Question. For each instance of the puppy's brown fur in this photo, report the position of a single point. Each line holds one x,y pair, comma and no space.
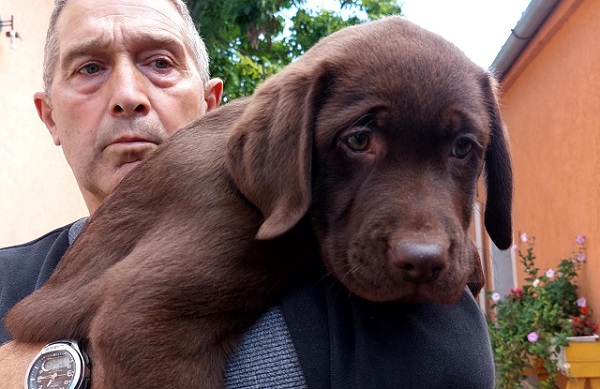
362,156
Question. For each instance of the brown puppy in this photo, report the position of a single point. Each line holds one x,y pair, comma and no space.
362,156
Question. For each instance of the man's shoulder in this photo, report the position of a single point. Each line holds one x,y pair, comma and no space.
26,267
52,235
345,342
41,244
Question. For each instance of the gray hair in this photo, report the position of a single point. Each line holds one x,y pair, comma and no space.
190,34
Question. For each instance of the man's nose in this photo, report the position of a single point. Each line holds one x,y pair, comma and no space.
128,90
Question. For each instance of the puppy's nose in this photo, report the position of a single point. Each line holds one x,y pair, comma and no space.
420,262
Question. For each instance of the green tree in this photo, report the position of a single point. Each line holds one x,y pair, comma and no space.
250,40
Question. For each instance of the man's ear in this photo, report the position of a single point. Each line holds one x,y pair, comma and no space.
44,110
213,93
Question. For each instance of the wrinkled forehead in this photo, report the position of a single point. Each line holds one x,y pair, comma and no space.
85,21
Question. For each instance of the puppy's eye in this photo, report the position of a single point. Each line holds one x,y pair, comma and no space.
358,141
462,147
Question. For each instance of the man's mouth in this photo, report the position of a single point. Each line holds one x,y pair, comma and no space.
131,139
128,151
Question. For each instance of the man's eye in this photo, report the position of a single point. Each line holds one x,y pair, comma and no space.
162,63
90,68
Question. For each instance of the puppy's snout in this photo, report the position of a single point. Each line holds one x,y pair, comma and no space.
419,262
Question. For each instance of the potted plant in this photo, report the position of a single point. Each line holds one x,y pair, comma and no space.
580,359
583,326
529,326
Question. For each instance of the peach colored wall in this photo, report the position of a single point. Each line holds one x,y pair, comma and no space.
37,190
551,104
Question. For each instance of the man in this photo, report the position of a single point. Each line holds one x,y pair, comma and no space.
120,77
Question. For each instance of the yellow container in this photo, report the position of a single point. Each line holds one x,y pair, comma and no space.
580,362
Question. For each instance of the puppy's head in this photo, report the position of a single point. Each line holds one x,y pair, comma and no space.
379,133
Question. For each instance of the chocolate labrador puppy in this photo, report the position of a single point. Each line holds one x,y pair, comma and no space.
361,160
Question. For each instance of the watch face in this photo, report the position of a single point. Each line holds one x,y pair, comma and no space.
57,367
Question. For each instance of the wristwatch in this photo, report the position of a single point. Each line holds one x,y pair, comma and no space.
60,365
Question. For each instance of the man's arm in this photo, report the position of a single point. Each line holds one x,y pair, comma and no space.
14,359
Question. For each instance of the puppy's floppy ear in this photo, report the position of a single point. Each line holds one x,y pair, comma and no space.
498,210
269,154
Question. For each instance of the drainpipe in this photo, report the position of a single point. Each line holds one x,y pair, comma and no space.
534,16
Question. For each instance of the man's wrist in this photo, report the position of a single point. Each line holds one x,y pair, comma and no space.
15,358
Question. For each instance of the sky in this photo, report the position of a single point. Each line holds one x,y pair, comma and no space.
477,27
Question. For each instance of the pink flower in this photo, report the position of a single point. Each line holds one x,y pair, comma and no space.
524,237
532,337
581,257
495,297
580,239
550,273
581,302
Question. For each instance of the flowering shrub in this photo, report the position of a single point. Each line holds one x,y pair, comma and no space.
531,323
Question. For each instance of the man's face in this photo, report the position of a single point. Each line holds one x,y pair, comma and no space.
124,82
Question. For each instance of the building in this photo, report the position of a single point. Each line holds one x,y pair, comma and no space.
550,98
38,191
